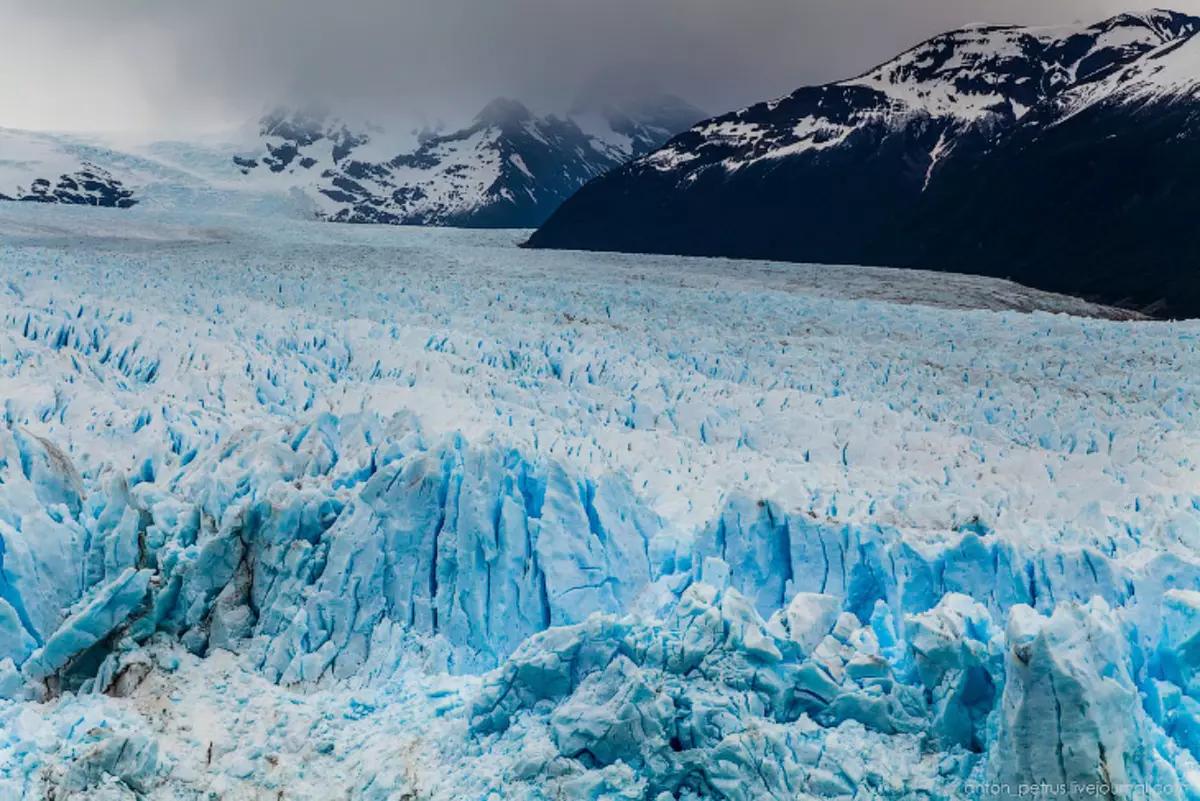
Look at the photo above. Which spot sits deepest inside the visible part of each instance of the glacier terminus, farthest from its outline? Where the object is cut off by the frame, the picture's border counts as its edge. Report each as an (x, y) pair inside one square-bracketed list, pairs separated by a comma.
[(292, 510)]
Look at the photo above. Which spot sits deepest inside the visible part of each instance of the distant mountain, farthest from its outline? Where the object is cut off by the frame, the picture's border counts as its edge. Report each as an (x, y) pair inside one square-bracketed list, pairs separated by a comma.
[(1064, 158), (88, 185), (507, 168)]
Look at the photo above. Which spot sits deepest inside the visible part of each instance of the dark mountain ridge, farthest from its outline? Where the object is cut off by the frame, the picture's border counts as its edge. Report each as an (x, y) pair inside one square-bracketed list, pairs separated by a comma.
[(1066, 159)]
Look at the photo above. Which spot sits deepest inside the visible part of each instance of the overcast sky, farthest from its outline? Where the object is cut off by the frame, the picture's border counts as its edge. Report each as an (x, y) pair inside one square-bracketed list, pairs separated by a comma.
[(176, 65)]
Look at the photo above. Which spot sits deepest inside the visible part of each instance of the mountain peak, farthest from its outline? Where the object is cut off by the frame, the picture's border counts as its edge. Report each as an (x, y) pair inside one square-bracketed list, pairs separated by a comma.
[(306, 123), (1170, 22), (504, 111), (642, 102), (978, 71)]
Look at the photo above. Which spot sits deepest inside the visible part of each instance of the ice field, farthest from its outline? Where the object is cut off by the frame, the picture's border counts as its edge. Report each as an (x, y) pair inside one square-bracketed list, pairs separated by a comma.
[(301, 511)]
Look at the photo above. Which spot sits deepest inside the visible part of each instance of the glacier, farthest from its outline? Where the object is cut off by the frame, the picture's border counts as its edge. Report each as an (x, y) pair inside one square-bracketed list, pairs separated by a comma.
[(295, 511)]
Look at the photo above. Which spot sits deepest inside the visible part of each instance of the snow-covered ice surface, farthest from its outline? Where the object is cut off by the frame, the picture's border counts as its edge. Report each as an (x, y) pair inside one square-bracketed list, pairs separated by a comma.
[(301, 511)]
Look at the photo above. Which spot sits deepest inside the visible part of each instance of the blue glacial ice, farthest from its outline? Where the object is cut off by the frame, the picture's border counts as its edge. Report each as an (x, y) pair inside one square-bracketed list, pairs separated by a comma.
[(299, 511)]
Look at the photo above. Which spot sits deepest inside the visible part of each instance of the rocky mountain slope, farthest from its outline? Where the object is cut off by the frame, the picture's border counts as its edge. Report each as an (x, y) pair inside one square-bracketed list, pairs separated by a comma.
[(88, 186), (508, 168), (1058, 157)]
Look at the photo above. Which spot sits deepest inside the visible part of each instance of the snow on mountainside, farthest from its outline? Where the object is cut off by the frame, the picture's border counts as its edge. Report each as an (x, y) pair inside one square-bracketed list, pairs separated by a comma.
[(282, 517), (507, 168), (977, 75), (983, 70), (197, 176), (955, 155), (1170, 74), (32, 170)]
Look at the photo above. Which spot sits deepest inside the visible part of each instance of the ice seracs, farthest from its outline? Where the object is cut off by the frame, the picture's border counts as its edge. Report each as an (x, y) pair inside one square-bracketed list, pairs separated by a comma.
[(568, 525)]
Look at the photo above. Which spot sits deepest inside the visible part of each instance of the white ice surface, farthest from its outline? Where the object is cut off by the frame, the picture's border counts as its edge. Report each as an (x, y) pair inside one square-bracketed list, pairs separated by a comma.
[(318, 492)]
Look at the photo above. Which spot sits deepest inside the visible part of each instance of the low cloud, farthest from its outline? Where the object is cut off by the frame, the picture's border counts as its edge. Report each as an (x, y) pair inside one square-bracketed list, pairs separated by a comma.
[(168, 64)]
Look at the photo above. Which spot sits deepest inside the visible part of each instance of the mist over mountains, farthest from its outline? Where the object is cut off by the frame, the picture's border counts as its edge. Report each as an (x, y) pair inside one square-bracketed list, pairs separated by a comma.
[(179, 67)]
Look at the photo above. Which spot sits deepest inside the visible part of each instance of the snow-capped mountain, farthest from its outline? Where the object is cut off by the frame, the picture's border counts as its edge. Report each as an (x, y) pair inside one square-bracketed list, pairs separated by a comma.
[(32, 169), (506, 168), (1059, 157)]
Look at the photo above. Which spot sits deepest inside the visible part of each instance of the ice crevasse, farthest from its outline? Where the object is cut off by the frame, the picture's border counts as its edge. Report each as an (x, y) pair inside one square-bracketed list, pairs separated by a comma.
[(719, 664), (263, 595)]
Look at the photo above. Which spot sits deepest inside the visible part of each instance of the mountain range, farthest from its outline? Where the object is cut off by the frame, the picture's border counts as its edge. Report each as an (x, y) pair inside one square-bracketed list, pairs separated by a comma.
[(1064, 158), (507, 168)]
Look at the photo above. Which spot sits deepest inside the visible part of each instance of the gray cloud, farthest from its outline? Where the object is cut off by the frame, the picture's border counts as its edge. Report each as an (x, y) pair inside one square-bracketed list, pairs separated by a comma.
[(177, 64)]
